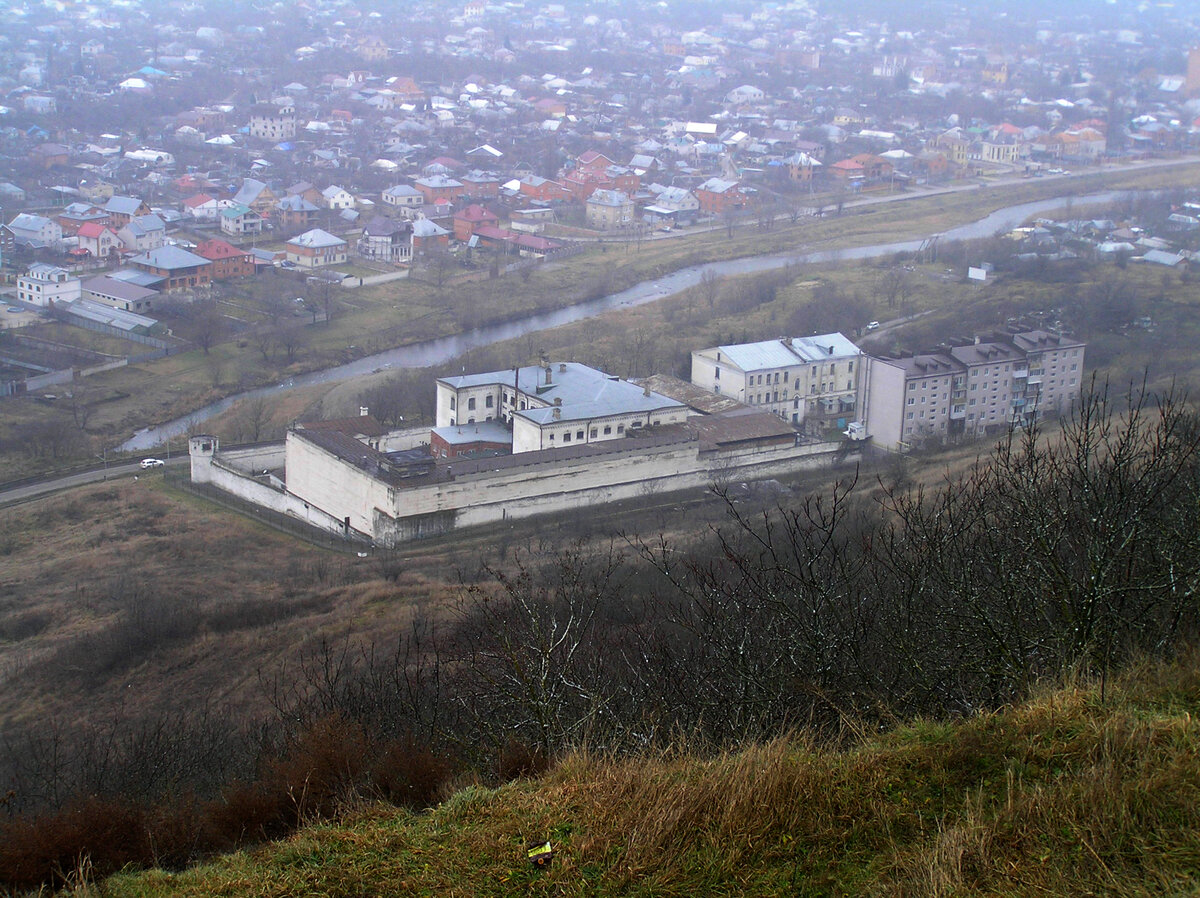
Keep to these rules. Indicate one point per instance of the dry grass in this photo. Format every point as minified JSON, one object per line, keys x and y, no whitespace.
{"x":1062,"y":795}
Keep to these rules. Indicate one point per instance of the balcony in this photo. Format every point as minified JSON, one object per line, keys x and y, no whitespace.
{"x":958,"y":412}
{"x":1035,"y":375}
{"x":1021,"y":371}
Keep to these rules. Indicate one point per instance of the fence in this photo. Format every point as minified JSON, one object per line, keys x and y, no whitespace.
{"x":277,"y":520}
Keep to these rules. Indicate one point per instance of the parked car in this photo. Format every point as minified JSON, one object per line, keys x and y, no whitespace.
{"x":872,"y":325}
{"x":152,"y":462}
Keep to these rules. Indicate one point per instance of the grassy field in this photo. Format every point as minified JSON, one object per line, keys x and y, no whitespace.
{"x":1066,"y":794}
{"x":370,"y":319}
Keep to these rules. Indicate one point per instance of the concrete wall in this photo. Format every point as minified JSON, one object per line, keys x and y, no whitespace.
{"x":883,"y":403}
{"x":334,"y":486}
{"x":579,"y":483}
{"x":233,"y":472}
{"x":325,"y":490}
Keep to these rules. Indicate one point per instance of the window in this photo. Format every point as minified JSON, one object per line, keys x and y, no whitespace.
{"x":912,"y":400}
{"x":850,"y":367}
{"x":620,"y":428}
{"x":912,"y":385}
{"x":717,"y":375}
{"x":452,"y":405}
{"x":567,"y":437}
{"x":593,"y":433}
{"x":579,"y":434}
{"x":471,"y":404}
{"x":488,"y":401}
{"x":607,"y":429}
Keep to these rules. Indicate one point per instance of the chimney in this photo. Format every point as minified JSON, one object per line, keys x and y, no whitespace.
{"x":557,"y":413}
{"x":646,"y":390}
{"x":562,"y":367}
{"x":548,"y":372}
{"x":558,"y":401}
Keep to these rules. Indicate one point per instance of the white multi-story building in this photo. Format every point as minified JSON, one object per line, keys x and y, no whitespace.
{"x":552,"y":406}
{"x":808,"y":381}
{"x":971,"y":390}
{"x":44,"y":285}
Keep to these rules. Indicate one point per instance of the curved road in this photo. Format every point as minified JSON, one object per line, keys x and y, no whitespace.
{"x":25,"y":492}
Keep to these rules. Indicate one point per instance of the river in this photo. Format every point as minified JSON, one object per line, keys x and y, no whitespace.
{"x":443,"y":349}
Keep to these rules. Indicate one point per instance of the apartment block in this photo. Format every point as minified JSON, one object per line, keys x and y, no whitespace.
{"x":972,"y":390}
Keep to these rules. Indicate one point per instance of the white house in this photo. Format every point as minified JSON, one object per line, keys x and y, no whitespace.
{"x":143,"y":233}
{"x":36,"y":230}
{"x":337,"y":198}
{"x":44,"y":285}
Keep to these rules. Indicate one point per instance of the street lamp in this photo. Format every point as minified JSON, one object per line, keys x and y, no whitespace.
{"x":104,"y":458}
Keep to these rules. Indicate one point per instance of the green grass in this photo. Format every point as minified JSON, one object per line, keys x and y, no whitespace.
{"x":1065,"y":794}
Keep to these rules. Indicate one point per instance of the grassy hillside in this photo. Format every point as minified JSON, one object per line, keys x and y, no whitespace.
{"x":1066,"y":794}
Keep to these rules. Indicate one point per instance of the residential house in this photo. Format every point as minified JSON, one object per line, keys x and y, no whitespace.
{"x":337,"y":198}
{"x":75,"y":215}
{"x":316,"y":249}
{"x":386,"y":240}
{"x":717,"y":195}
{"x":36,"y":231}
{"x":608,"y":210}
{"x":468,"y":219}
{"x":801,"y":166}
{"x":143,"y":233}
{"x":427,"y":235}
{"x":238,"y":220}
{"x":123,"y":209}
{"x":99,"y":240}
{"x":544,"y":190}
{"x":228,"y":261}
{"x":201,"y":207}
{"x":293,"y":213}
{"x":405,"y":198}
{"x":810,"y":382}
{"x":874,"y":168}
{"x":174,"y":268}
{"x":257,"y":195}
{"x":435,"y":188}
{"x":47,"y":285}
{"x":480,"y":185}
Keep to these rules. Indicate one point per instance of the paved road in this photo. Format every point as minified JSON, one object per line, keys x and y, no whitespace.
{"x":28,"y":491}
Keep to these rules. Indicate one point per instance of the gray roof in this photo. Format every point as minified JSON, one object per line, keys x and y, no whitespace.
{"x":123,"y":205}
{"x":117,"y":289}
{"x":118,"y":318}
{"x":28,"y":222}
{"x":585,"y":392}
{"x":789,"y":352}
{"x":170,"y":258}
{"x":317,"y":238}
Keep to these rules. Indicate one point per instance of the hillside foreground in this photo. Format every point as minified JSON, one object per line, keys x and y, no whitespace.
{"x":1070,"y":793}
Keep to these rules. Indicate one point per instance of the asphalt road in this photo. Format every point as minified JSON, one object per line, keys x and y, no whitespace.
{"x":25,"y":492}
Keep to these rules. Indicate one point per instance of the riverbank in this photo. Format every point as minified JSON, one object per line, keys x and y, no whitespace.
{"x":427,"y":323}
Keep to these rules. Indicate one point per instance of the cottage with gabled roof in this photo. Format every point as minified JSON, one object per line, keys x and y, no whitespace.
{"x":316,"y":249}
